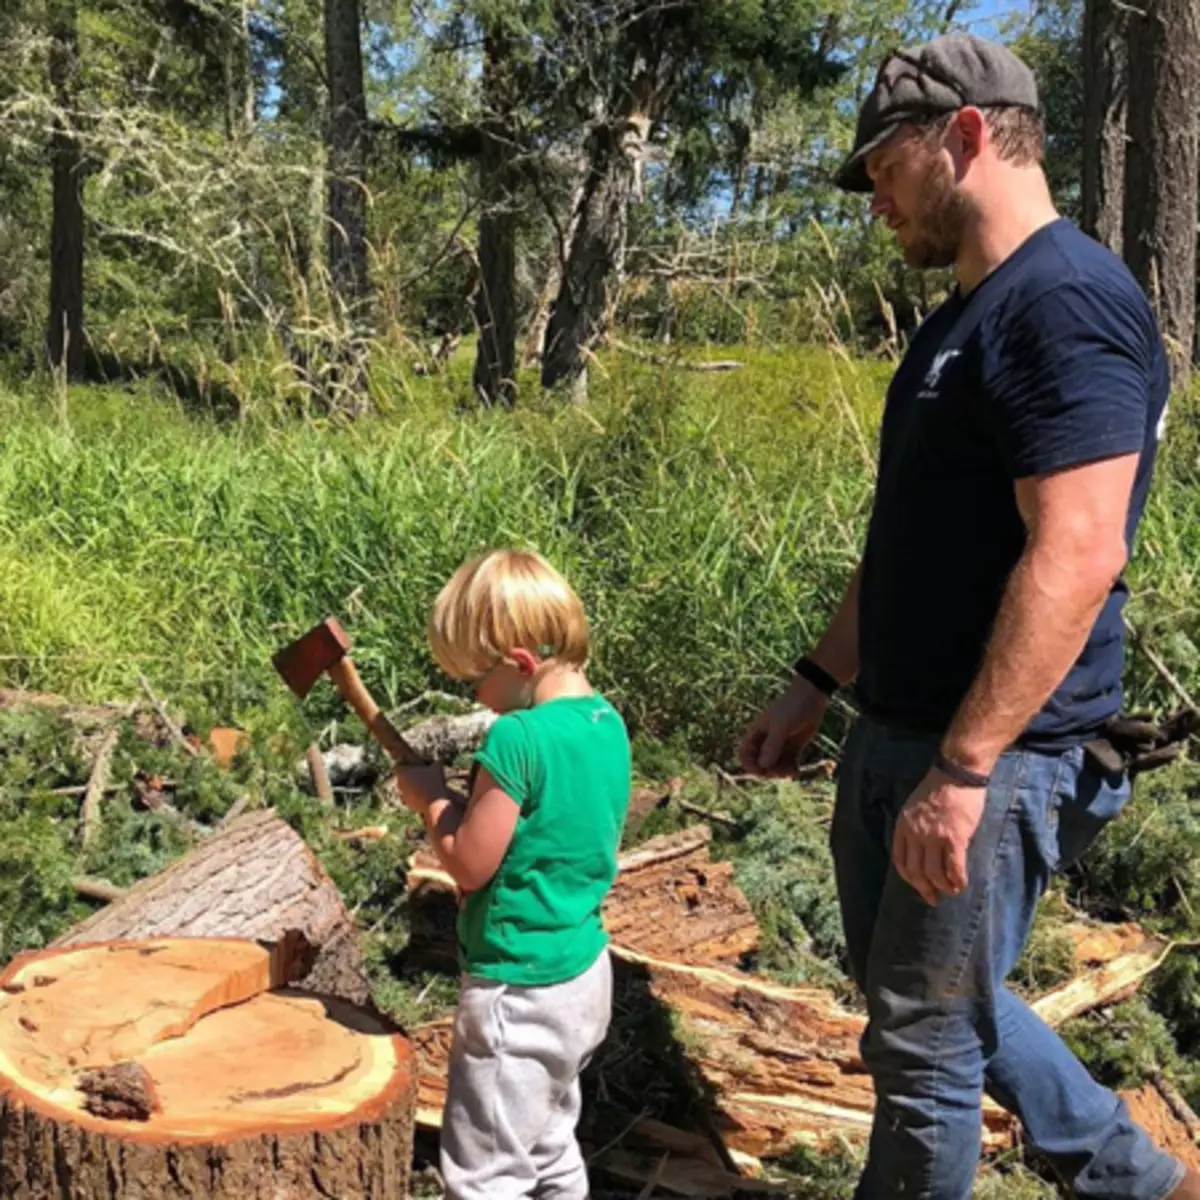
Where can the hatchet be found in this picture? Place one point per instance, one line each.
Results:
(325, 648)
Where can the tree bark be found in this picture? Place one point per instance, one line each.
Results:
(347, 141)
(239, 73)
(1159, 231)
(596, 260)
(669, 900)
(1105, 84)
(64, 329)
(564, 235)
(495, 300)
(196, 1070)
(254, 879)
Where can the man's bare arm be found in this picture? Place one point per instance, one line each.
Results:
(837, 649)
(1075, 551)
(780, 732)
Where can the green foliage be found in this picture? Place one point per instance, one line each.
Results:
(785, 869)
(827, 1176)
(1145, 866)
(1013, 1181)
(1123, 1045)
(1048, 958)
(705, 546)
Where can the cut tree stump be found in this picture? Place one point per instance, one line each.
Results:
(182, 1067)
(254, 878)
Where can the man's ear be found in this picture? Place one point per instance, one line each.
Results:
(524, 660)
(971, 128)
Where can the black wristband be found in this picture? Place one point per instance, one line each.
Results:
(816, 675)
(958, 773)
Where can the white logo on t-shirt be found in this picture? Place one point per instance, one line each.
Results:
(934, 374)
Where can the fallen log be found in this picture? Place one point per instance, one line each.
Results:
(683, 364)
(1155, 1110)
(781, 1065)
(97, 889)
(1109, 982)
(669, 899)
(254, 878)
(687, 1164)
(182, 1067)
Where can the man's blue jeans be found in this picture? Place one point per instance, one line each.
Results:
(943, 1027)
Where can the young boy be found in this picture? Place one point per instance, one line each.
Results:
(534, 849)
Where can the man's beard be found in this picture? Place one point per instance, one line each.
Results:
(940, 221)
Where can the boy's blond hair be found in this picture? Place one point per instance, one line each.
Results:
(502, 601)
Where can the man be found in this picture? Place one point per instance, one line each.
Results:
(983, 631)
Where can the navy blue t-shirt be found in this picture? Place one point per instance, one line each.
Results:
(1053, 361)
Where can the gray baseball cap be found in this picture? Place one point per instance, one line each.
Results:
(924, 82)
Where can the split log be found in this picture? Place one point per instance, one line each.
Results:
(1109, 982)
(254, 878)
(1152, 1109)
(672, 901)
(686, 1162)
(683, 1175)
(781, 1064)
(181, 1067)
(669, 900)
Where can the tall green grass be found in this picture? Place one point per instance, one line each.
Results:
(709, 522)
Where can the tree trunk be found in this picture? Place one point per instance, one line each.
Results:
(495, 300)
(64, 330)
(564, 231)
(1161, 167)
(1105, 81)
(254, 879)
(596, 259)
(347, 141)
(239, 73)
(740, 133)
(176, 1068)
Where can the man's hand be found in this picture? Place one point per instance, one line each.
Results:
(781, 731)
(933, 834)
(421, 786)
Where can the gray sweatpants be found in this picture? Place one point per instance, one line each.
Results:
(513, 1098)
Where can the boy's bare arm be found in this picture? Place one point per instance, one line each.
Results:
(470, 837)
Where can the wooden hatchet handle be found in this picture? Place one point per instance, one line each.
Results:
(345, 679)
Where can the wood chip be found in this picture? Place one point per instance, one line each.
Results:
(122, 1092)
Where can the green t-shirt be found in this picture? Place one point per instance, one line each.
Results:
(566, 762)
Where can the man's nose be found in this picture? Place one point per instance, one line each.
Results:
(881, 203)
